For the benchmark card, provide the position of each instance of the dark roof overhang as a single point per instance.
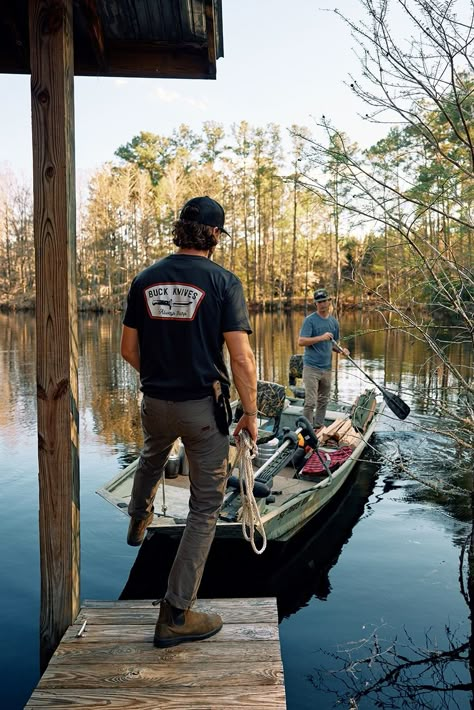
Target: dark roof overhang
(175, 39)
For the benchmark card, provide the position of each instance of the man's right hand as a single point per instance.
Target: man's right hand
(249, 423)
(326, 336)
(242, 362)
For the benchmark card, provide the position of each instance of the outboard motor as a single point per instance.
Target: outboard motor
(307, 432)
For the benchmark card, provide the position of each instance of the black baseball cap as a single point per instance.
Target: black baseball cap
(204, 210)
(321, 295)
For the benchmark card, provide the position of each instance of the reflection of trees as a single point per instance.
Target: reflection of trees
(17, 363)
(109, 386)
(117, 418)
(400, 673)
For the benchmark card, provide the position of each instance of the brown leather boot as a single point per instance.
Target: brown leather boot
(179, 625)
(137, 529)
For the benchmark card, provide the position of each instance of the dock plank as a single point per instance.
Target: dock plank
(263, 698)
(114, 664)
(233, 611)
(138, 675)
(73, 653)
(144, 632)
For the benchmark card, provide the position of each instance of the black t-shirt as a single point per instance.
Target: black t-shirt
(181, 306)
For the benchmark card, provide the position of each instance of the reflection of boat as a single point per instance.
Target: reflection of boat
(304, 569)
(294, 572)
(296, 473)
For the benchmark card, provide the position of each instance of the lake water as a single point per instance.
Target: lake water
(378, 578)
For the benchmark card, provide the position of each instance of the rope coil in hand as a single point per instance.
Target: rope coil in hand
(251, 520)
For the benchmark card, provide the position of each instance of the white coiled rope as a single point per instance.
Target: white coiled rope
(251, 520)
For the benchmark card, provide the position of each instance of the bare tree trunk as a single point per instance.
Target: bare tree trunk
(291, 284)
(8, 254)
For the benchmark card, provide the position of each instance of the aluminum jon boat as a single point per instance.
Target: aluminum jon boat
(296, 472)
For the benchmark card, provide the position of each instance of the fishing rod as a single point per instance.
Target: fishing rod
(395, 403)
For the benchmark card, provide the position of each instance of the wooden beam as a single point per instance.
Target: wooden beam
(14, 31)
(211, 37)
(151, 60)
(96, 34)
(95, 54)
(52, 102)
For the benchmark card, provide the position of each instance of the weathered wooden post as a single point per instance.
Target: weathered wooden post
(52, 102)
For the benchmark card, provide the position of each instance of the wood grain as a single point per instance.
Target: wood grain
(52, 103)
(144, 633)
(233, 611)
(262, 698)
(115, 665)
(70, 652)
(164, 674)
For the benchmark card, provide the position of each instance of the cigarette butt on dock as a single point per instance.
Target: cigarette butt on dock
(82, 629)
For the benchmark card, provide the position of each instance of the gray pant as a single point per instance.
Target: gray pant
(207, 451)
(317, 387)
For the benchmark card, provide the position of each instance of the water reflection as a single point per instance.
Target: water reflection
(445, 470)
(313, 592)
(109, 388)
(399, 674)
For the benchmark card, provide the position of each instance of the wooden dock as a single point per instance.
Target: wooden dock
(114, 664)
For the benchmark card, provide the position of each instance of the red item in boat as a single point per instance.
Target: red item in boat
(314, 466)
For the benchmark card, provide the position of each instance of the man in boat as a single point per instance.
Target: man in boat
(318, 332)
(179, 313)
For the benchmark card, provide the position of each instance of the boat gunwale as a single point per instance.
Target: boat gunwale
(168, 523)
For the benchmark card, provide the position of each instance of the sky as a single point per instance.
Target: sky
(284, 62)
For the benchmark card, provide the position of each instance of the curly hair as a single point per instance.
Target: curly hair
(192, 235)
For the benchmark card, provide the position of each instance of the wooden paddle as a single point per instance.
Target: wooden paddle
(397, 405)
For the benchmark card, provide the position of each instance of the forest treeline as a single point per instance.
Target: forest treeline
(296, 215)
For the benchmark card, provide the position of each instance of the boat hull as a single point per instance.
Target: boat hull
(298, 502)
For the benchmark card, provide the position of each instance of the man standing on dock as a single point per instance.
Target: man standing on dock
(318, 332)
(180, 311)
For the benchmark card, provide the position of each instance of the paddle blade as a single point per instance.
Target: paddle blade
(397, 405)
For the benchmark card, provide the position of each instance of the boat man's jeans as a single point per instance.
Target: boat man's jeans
(207, 451)
(317, 387)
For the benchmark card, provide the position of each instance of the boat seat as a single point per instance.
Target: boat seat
(270, 405)
(295, 372)
(295, 368)
(363, 410)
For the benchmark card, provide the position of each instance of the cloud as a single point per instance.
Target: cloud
(170, 97)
